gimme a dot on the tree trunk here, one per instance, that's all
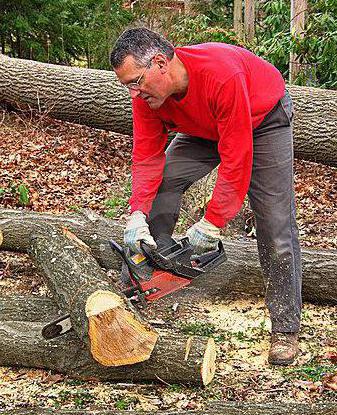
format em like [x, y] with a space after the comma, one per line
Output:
[249, 20]
[96, 98]
[174, 359]
[94, 230]
[31, 308]
[101, 315]
[83, 96]
[298, 9]
[240, 273]
[237, 18]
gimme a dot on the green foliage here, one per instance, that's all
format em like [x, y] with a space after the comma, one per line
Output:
[119, 202]
[198, 328]
[23, 193]
[62, 31]
[80, 398]
[313, 372]
[189, 30]
[125, 403]
[316, 49]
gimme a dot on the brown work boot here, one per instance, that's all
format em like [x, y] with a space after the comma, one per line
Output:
[283, 348]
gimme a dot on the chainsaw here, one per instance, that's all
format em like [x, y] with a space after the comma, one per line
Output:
[153, 274]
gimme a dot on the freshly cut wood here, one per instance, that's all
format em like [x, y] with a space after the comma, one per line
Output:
[241, 273]
[96, 98]
[174, 359]
[101, 316]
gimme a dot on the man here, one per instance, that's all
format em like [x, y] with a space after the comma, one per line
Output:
[229, 109]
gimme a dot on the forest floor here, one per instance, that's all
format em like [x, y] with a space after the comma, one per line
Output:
[53, 166]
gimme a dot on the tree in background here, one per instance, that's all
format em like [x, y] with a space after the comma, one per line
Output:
[61, 31]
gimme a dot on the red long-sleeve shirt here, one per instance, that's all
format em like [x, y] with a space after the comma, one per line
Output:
[230, 91]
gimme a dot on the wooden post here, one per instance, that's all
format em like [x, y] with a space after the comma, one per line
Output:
[237, 18]
[297, 24]
[249, 20]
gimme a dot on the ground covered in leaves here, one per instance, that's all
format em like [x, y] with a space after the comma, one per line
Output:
[53, 166]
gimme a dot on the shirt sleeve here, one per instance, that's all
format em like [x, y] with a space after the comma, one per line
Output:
[148, 156]
[234, 123]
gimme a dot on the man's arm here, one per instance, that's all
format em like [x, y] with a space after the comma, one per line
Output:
[233, 114]
[148, 156]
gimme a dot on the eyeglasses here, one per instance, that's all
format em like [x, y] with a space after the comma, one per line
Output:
[135, 86]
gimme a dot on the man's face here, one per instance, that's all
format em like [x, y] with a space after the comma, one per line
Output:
[150, 82]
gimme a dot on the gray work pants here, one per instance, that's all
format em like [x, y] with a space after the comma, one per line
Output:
[271, 196]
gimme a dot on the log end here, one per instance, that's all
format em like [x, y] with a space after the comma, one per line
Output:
[117, 338]
[208, 364]
[1, 238]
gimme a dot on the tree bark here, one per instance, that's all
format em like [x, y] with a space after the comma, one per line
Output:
[83, 96]
[100, 314]
[175, 358]
[31, 308]
[94, 230]
[241, 273]
[96, 98]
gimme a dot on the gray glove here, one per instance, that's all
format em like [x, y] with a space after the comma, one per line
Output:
[137, 230]
[203, 236]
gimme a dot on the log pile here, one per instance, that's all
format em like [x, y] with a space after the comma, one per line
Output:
[241, 273]
[109, 340]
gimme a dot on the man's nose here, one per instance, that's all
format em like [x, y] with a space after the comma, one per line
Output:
[134, 93]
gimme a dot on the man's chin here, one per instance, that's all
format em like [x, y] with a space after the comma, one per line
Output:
[154, 103]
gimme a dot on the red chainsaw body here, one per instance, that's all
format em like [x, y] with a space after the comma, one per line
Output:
[164, 283]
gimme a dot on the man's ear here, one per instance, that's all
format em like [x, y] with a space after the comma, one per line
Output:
[161, 60]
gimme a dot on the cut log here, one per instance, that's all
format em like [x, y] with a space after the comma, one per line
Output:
[96, 98]
[101, 316]
[94, 230]
[242, 272]
[175, 358]
[30, 308]
[83, 96]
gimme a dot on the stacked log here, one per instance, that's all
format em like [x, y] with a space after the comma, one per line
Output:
[109, 339]
[241, 273]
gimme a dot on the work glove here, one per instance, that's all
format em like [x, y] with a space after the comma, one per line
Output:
[203, 236]
[137, 230]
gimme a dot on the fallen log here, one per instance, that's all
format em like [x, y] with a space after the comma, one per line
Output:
[30, 308]
[241, 273]
[223, 408]
[97, 99]
[175, 358]
[94, 230]
[101, 316]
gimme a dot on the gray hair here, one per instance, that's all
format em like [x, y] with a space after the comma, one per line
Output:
[142, 44]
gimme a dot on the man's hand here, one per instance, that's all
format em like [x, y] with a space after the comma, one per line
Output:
[137, 230]
[204, 236]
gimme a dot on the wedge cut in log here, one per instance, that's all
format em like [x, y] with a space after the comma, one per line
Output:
[241, 273]
[101, 316]
[175, 359]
